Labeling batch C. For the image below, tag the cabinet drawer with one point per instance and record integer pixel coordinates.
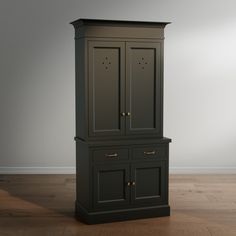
(110, 154)
(150, 152)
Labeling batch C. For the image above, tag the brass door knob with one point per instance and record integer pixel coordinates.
(128, 184)
(128, 113)
(122, 113)
(133, 183)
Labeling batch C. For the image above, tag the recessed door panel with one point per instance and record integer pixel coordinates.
(143, 88)
(150, 182)
(110, 185)
(152, 189)
(106, 89)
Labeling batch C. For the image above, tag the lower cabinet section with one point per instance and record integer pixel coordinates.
(118, 185)
(122, 182)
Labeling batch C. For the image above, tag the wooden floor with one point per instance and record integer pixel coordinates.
(44, 205)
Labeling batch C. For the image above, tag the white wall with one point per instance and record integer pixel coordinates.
(37, 81)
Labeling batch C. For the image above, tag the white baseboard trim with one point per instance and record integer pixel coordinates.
(202, 170)
(71, 170)
(37, 170)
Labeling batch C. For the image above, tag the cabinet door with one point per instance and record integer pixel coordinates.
(106, 88)
(150, 182)
(144, 88)
(110, 185)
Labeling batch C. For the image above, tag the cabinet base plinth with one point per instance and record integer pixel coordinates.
(99, 217)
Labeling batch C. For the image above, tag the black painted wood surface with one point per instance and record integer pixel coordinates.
(122, 158)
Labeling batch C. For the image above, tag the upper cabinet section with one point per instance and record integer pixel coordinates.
(119, 79)
(119, 29)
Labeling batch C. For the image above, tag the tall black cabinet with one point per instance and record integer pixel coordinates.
(122, 158)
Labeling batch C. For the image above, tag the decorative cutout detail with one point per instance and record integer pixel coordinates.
(142, 63)
(106, 63)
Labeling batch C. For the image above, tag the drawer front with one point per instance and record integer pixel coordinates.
(149, 152)
(110, 154)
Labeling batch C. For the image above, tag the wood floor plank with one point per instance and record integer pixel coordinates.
(44, 205)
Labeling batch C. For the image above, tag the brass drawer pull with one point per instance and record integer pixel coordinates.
(133, 183)
(122, 114)
(128, 184)
(149, 153)
(111, 155)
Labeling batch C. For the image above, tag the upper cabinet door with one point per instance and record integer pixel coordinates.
(143, 88)
(106, 73)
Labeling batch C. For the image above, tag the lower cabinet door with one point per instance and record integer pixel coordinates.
(111, 185)
(149, 182)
